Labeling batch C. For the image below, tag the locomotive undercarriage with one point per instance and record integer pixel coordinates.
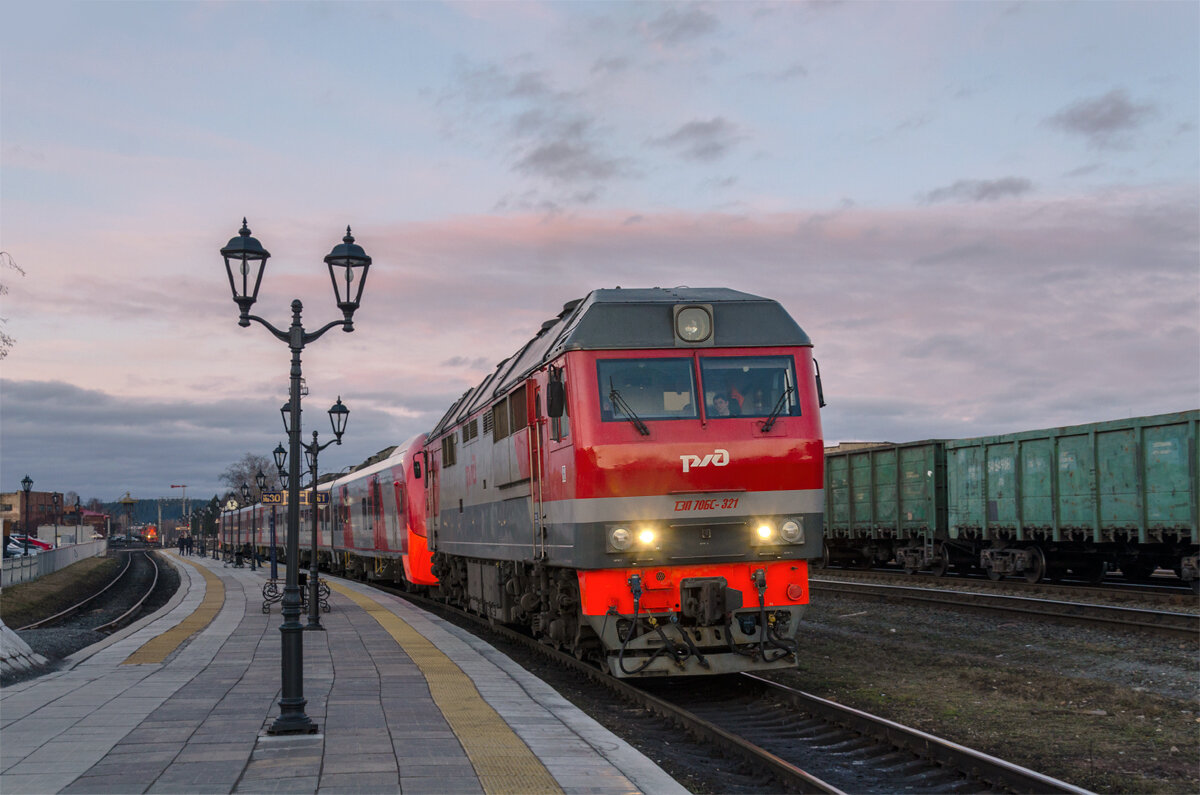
(709, 634)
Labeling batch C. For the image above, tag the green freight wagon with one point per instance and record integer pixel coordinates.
(884, 501)
(1084, 499)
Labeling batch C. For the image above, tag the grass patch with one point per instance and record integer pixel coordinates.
(32, 601)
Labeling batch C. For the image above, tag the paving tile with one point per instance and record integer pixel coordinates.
(360, 763)
(360, 782)
(440, 786)
(297, 784)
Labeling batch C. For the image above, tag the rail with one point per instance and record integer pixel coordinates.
(1161, 622)
(119, 621)
(77, 605)
(846, 744)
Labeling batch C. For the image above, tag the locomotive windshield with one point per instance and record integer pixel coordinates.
(654, 389)
(749, 386)
(632, 390)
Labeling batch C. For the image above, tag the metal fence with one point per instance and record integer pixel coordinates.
(27, 569)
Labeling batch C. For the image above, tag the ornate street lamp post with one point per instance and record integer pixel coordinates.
(338, 416)
(245, 259)
(260, 480)
(245, 502)
(54, 500)
(26, 485)
(280, 462)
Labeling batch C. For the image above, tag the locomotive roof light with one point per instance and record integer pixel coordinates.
(694, 324)
(793, 531)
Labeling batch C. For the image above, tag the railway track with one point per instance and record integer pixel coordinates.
(800, 742)
(1166, 592)
(133, 561)
(1160, 622)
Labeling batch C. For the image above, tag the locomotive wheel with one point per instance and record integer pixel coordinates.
(941, 563)
(1038, 568)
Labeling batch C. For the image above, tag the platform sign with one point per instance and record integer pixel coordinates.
(280, 497)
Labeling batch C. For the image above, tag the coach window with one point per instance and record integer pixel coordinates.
(653, 389)
(749, 386)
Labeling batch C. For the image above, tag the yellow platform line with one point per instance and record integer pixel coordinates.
(158, 648)
(502, 760)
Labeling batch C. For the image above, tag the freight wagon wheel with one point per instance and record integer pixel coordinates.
(1138, 572)
(1037, 565)
(992, 574)
(1094, 572)
(941, 563)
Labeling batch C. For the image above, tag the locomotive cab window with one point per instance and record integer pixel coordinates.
(749, 386)
(648, 389)
(560, 427)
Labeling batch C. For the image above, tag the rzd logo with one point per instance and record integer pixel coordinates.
(717, 458)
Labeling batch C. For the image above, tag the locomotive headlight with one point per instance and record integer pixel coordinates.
(619, 538)
(646, 536)
(792, 532)
(764, 531)
(693, 323)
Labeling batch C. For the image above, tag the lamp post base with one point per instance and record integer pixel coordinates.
(311, 627)
(293, 724)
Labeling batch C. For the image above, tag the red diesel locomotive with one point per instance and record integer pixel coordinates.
(640, 484)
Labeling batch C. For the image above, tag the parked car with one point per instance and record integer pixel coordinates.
(33, 542)
(16, 549)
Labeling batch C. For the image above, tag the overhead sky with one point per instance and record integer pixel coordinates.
(984, 214)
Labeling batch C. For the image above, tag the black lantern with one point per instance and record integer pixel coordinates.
(245, 494)
(285, 411)
(26, 485)
(245, 260)
(280, 457)
(348, 263)
(261, 479)
(338, 416)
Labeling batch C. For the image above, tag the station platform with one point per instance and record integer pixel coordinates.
(181, 701)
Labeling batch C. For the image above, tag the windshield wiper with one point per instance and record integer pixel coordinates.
(775, 412)
(619, 402)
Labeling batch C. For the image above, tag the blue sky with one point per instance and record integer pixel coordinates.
(984, 214)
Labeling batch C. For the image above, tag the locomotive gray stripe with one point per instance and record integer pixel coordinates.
(713, 506)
